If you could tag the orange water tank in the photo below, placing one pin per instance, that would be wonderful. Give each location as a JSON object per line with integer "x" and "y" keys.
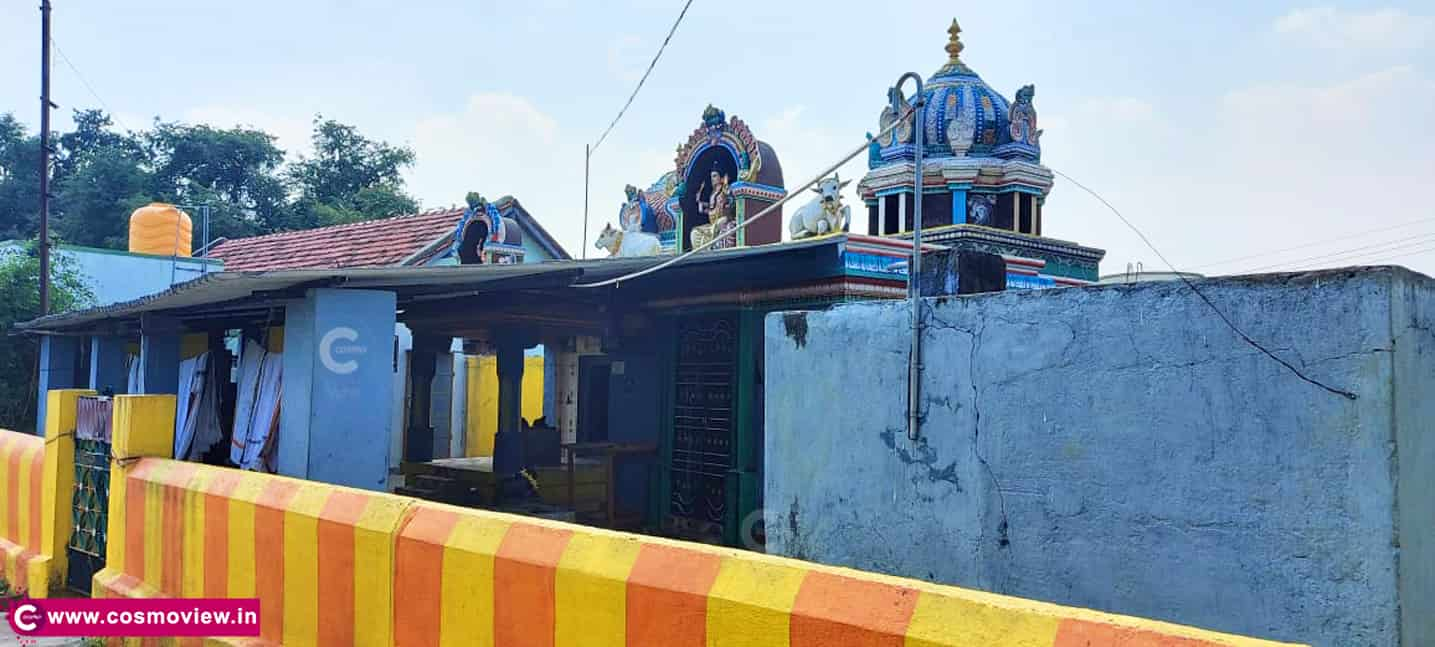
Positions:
{"x": 162, "y": 229}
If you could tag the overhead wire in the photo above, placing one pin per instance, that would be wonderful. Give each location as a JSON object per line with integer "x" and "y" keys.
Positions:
{"x": 1211, "y": 304}
{"x": 644, "y": 79}
{"x": 1373, "y": 248}
{"x": 1359, "y": 234}
{"x": 903, "y": 119}
{"x": 55, "y": 44}
{"x": 760, "y": 215}
{"x": 1425, "y": 248}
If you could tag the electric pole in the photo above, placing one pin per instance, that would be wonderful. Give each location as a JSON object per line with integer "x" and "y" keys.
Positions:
{"x": 44, "y": 157}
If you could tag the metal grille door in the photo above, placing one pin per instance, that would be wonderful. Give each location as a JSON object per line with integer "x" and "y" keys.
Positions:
{"x": 90, "y": 502}
{"x": 703, "y": 421}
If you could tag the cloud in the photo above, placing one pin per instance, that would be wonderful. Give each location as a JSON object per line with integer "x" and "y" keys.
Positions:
{"x": 499, "y": 143}
{"x": 806, "y": 147}
{"x": 1372, "y": 108}
{"x": 1333, "y": 28}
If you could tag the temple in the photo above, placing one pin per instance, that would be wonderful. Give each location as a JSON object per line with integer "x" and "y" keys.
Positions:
{"x": 983, "y": 184}
{"x": 649, "y": 411}
{"x": 722, "y": 165}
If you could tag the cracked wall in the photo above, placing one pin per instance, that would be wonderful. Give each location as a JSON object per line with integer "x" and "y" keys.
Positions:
{"x": 1119, "y": 448}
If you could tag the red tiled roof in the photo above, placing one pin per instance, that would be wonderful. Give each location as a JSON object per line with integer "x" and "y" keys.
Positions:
{"x": 371, "y": 243}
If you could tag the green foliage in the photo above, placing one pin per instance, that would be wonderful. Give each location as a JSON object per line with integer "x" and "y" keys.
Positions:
{"x": 19, "y": 179}
{"x": 350, "y": 177}
{"x": 100, "y": 175}
{"x": 20, "y": 301}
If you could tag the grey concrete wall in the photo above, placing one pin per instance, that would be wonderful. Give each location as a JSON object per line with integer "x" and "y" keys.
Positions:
{"x": 1119, "y": 448}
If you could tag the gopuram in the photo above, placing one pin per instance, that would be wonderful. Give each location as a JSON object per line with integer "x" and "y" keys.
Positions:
{"x": 983, "y": 184}
{"x": 722, "y": 176}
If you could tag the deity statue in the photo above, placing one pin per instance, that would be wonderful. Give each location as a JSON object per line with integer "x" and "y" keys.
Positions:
{"x": 479, "y": 224}
{"x": 1023, "y": 118}
{"x": 718, "y": 207}
{"x": 636, "y": 214}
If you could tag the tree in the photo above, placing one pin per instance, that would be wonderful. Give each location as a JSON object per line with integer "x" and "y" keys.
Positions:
{"x": 20, "y": 301}
{"x": 100, "y": 176}
{"x": 234, "y": 170}
{"x": 349, "y": 178}
{"x": 19, "y": 179}
{"x": 93, "y": 135}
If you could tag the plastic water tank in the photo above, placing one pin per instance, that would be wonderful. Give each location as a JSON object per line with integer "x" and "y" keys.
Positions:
{"x": 162, "y": 229}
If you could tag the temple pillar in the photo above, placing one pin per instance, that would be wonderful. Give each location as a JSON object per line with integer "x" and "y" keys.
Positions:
{"x": 1016, "y": 213}
{"x": 107, "y": 364}
{"x": 508, "y": 442}
{"x": 881, "y": 216}
{"x": 959, "y": 206}
{"x": 58, "y": 357}
{"x": 550, "y": 383}
{"x": 334, "y": 411}
{"x": 423, "y": 364}
{"x": 902, "y": 222}
{"x": 441, "y": 404}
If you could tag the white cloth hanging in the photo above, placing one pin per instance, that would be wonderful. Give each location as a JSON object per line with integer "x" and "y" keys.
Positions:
{"x": 188, "y": 395}
{"x": 196, "y": 414}
{"x": 256, "y": 409}
{"x": 132, "y": 377}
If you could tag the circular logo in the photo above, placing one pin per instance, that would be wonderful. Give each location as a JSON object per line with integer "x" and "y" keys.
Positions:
{"x": 327, "y": 350}
{"x": 25, "y": 618}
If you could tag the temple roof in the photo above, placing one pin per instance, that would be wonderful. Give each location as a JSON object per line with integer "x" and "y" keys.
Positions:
{"x": 401, "y": 240}
{"x": 964, "y": 116}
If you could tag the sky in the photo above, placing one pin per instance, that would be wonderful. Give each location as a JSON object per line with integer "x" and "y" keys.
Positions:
{"x": 1238, "y": 136}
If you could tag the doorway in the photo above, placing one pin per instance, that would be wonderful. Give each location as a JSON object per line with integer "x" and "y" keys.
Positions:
{"x": 594, "y": 377}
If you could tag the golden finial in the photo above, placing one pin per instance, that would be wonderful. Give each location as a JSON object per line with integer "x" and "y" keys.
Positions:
{"x": 954, "y": 45}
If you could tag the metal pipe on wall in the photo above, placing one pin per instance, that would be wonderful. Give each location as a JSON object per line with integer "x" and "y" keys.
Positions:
{"x": 914, "y": 268}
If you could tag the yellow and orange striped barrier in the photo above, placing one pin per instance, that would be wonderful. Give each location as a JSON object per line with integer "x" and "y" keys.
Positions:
{"x": 336, "y": 566}
{"x": 37, "y": 477}
{"x": 319, "y": 557}
{"x": 472, "y": 577}
{"x": 22, "y": 456}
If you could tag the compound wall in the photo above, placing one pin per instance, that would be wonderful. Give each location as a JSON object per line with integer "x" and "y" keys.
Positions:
{"x": 1120, "y": 448}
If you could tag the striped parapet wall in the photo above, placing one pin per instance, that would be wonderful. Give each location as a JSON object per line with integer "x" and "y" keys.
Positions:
{"x": 37, "y": 476}
{"x": 472, "y": 577}
{"x": 22, "y": 457}
{"x": 337, "y": 566}
{"x": 318, "y": 557}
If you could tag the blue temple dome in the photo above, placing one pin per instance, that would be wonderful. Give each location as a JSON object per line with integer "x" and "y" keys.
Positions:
{"x": 965, "y": 117}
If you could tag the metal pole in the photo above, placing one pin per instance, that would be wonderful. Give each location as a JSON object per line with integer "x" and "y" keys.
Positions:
{"x": 587, "y": 154}
{"x": 204, "y": 240}
{"x": 44, "y": 157}
{"x": 914, "y": 269}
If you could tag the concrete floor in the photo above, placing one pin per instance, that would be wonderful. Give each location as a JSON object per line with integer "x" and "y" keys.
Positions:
{"x": 8, "y": 637}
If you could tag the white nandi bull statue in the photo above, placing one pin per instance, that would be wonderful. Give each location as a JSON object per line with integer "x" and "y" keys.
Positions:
{"x": 631, "y": 242}
{"x": 824, "y": 215}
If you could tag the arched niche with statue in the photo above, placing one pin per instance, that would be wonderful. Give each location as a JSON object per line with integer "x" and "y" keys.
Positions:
{"x": 722, "y": 156}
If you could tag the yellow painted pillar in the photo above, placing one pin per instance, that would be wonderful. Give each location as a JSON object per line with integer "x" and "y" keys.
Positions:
{"x": 482, "y": 405}
{"x": 141, "y": 426}
{"x": 533, "y": 388}
{"x": 48, "y": 573}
